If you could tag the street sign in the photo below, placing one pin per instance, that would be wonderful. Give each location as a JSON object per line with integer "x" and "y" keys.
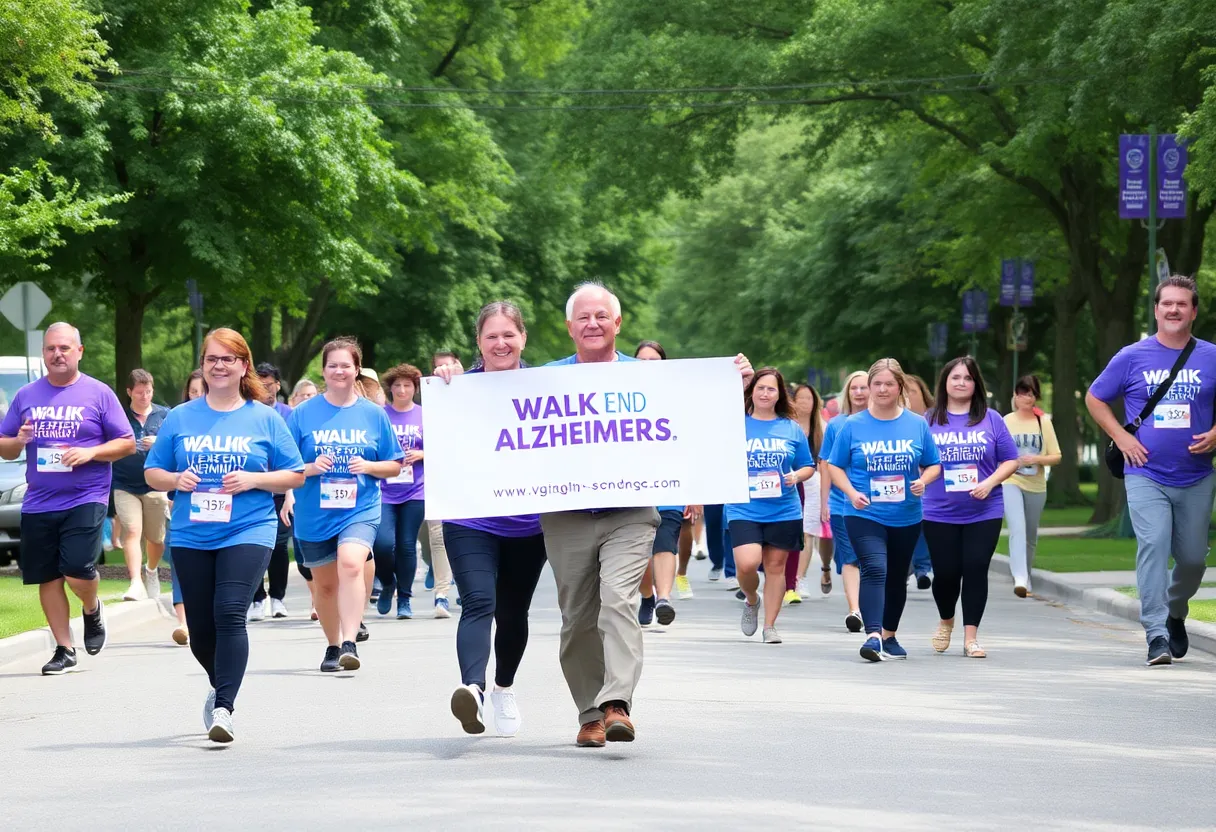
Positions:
{"x": 1018, "y": 335}
{"x": 25, "y": 305}
{"x": 1171, "y": 177}
{"x": 1133, "y": 177}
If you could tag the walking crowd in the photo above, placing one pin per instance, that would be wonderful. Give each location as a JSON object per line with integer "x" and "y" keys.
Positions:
{"x": 890, "y": 481}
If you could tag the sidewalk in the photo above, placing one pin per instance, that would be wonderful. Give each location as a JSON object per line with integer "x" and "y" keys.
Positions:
{"x": 1097, "y": 591}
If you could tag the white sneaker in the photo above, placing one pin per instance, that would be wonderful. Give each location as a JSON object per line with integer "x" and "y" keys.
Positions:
{"x": 468, "y": 704}
{"x": 750, "y": 619}
{"x": 136, "y": 591}
{"x": 506, "y": 713}
{"x": 208, "y": 710}
{"x": 256, "y": 612}
{"x": 151, "y": 583}
{"x": 277, "y": 608}
{"x": 732, "y": 584}
{"x": 221, "y": 726}
{"x": 803, "y": 588}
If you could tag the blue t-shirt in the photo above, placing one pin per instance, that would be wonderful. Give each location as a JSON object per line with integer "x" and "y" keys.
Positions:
{"x": 882, "y": 457}
{"x": 573, "y": 359}
{"x": 836, "y": 498}
{"x": 775, "y": 447}
{"x": 341, "y": 433}
{"x": 214, "y": 443}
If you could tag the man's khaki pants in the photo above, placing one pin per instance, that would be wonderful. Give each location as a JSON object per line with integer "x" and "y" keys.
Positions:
{"x": 598, "y": 558}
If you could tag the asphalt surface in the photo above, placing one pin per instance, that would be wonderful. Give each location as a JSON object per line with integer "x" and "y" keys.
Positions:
{"x": 1062, "y": 727}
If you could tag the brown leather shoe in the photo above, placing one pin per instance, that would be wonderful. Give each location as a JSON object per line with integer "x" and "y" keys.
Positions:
{"x": 618, "y": 728}
{"x": 591, "y": 735}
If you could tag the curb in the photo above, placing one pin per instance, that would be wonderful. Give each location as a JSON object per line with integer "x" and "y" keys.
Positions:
{"x": 120, "y": 615}
{"x": 1055, "y": 586}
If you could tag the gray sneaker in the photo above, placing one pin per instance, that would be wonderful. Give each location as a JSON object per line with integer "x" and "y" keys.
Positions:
{"x": 152, "y": 583}
{"x": 771, "y": 636}
{"x": 751, "y": 617}
{"x": 221, "y": 726}
{"x": 208, "y": 707}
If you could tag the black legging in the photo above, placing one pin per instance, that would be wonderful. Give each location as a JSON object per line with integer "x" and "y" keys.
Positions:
{"x": 280, "y": 561}
{"x": 217, "y": 588}
{"x": 961, "y": 553}
{"x": 497, "y": 576}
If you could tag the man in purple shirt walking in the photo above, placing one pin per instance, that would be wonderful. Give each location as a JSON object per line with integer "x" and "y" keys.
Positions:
{"x": 1168, "y": 461}
{"x": 71, "y": 428}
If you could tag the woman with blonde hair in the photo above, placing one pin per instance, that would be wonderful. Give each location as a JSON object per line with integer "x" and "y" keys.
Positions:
{"x": 883, "y": 460}
{"x": 854, "y": 397}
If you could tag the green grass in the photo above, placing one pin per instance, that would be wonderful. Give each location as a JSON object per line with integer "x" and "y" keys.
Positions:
{"x": 20, "y": 610}
{"x": 1199, "y": 610}
{"x": 1073, "y": 515}
{"x": 1132, "y": 592}
{"x": 1084, "y": 554}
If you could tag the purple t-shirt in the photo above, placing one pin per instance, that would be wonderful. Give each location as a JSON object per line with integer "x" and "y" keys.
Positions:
{"x": 84, "y": 414}
{"x": 970, "y": 454}
{"x": 1186, "y": 410}
{"x": 282, "y": 409}
{"x": 521, "y": 525}
{"x": 408, "y": 428}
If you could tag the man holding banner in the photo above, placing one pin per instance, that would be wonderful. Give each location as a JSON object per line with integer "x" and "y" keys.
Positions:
{"x": 592, "y": 450}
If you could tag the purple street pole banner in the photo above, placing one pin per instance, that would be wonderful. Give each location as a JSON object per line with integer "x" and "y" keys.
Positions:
{"x": 968, "y": 311}
{"x": 1133, "y": 177}
{"x": 617, "y": 434}
{"x": 1026, "y": 297}
{"x": 1171, "y": 177}
{"x": 938, "y": 335}
{"x": 1009, "y": 272}
{"x": 980, "y": 304}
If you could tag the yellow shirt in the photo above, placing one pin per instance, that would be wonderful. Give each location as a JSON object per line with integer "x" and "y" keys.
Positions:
{"x": 1033, "y": 437}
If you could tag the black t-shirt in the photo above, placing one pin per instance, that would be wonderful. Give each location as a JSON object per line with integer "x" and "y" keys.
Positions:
{"x": 129, "y": 471}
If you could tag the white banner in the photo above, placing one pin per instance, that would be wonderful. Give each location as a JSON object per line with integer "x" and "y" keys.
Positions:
{"x": 611, "y": 435}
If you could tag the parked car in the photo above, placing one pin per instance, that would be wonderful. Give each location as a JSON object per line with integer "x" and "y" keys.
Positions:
{"x": 15, "y": 372}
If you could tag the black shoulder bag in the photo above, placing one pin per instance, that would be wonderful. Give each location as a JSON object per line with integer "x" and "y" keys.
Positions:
{"x": 1114, "y": 457}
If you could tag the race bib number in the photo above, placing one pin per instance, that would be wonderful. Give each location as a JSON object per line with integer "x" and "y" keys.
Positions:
{"x": 339, "y": 492}
{"x": 210, "y": 507}
{"x": 962, "y": 478}
{"x": 406, "y": 477}
{"x": 887, "y": 489}
{"x": 50, "y": 458}
{"x": 1172, "y": 415}
{"x": 1028, "y": 470}
{"x": 764, "y": 486}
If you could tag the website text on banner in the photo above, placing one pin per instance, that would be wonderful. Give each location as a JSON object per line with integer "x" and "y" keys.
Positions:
{"x": 612, "y": 435}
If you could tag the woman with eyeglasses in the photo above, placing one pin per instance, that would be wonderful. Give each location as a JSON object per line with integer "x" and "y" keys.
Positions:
{"x": 224, "y": 455}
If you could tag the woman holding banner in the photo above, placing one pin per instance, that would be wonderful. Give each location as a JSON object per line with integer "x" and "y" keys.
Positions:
{"x": 496, "y": 562}
{"x": 769, "y": 527}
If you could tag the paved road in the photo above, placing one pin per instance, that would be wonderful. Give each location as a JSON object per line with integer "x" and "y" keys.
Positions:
{"x": 1062, "y": 728}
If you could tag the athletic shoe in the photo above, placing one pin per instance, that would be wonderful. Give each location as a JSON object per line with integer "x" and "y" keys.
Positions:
{"x": 892, "y": 649}
{"x": 181, "y": 635}
{"x": 377, "y": 587}
{"x": 853, "y": 622}
{"x": 221, "y": 726}
{"x": 699, "y": 554}
{"x": 362, "y": 635}
{"x": 617, "y": 725}
{"x": 312, "y": 615}
{"x": 792, "y": 597}
{"x": 209, "y": 710}
{"x": 871, "y": 651}
{"x": 1020, "y": 591}
{"x": 740, "y": 595}
{"x": 771, "y": 636}
{"x": 468, "y": 705}
{"x": 751, "y": 617}
{"x": 404, "y": 610}
{"x": 330, "y": 664}
{"x": 384, "y": 604}
{"x": 715, "y": 573}
{"x": 257, "y": 611}
{"x": 277, "y": 608}
{"x": 923, "y": 582}
{"x": 64, "y": 661}
{"x": 151, "y": 583}
{"x": 683, "y": 589}
{"x": 506, "y": 712}
{"x": 136, "y": 591}
{"x": 732, "y": 583}
{"x": 1179, "y": 642}
{"x": 802, "y": 588}
{"x": 664, "y": 611}
{"x": 646, "y": 611}
{"x": 429, "y": 583}
{"x": 95, "y": 636}
{"x": 1159, "y": 651}
{"x": 442, "y": 610}
{"x": 349, "y": 658}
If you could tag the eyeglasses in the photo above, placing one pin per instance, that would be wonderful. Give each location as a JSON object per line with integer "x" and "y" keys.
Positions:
{"x": 226, "y": 360}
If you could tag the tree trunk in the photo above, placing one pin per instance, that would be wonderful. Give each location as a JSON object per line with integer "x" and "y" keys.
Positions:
{"x": 306, "y": 337}
{"x": 1064, "y": 486}
{"x": 261, "y": 335}
{"x": 128, "y": 339}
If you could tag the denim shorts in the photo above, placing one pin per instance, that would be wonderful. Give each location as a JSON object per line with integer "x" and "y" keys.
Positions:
{"x": 324, "y": 552}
